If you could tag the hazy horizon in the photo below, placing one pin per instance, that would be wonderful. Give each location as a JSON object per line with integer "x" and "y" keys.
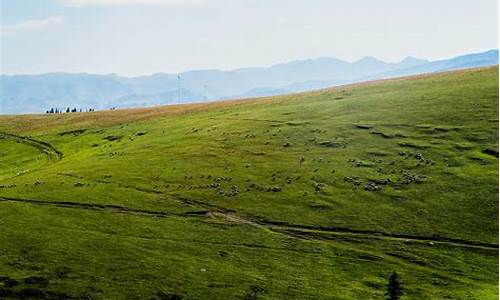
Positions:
{"x": 142, "y": 37}
{"x": 238, "y": 68}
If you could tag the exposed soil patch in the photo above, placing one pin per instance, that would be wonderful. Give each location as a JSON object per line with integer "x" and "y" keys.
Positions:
{"x": 364, "y": 126}
{"x": 491, "y": 152}
{"x": 75, "y": 132}
{"x": 332, "y": 144}
{"x": 113, "y": 138}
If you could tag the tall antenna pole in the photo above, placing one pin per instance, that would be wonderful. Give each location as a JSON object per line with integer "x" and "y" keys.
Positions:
{"x": 179, "y": 87}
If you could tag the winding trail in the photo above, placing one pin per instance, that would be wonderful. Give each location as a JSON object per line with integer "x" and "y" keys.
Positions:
{"x": 293, "y": 230}
{"x": 51, "y": 152}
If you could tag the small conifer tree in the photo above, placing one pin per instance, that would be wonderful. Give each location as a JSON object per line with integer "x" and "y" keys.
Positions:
{"x": 394, "y": 288}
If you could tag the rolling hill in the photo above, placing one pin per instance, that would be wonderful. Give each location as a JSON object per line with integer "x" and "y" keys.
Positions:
{"x": 317, "y": 195}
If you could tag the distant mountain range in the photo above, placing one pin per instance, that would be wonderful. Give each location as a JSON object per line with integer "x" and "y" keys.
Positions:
{"x": 37, "y": 93}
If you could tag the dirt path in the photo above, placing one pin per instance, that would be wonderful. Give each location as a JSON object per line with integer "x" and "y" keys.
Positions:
{"x": 297, "y": 231}
{"x": 90, "y": 206}
{"x": 249, "y": 119}
{"x": 345, "y": 234}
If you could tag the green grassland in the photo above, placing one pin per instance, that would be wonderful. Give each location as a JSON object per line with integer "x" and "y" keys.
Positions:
{"x": 317, "y": 195}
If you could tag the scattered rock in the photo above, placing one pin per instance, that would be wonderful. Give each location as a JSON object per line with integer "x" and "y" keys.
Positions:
{"x": 319, "y": 186}
{"x": 354, "y": 181}
{"x": 372, "y": 187}
{"x": 7, "y": 186}
{"x": 409, "y": 178}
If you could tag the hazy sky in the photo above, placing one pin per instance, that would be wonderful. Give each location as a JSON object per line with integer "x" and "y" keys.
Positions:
{"x": 134, "y": 37}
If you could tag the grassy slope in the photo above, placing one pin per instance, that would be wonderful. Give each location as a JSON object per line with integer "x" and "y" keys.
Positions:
{"x": 419, "y": 141}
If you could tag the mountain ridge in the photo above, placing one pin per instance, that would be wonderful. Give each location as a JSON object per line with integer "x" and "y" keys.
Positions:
{"x": 37, "y": 93}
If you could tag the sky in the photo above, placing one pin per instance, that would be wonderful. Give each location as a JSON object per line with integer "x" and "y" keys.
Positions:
{"x": 140, "y": 37}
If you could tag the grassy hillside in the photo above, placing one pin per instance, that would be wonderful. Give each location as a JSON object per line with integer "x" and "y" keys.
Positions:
{"x": 318, "y": 195}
